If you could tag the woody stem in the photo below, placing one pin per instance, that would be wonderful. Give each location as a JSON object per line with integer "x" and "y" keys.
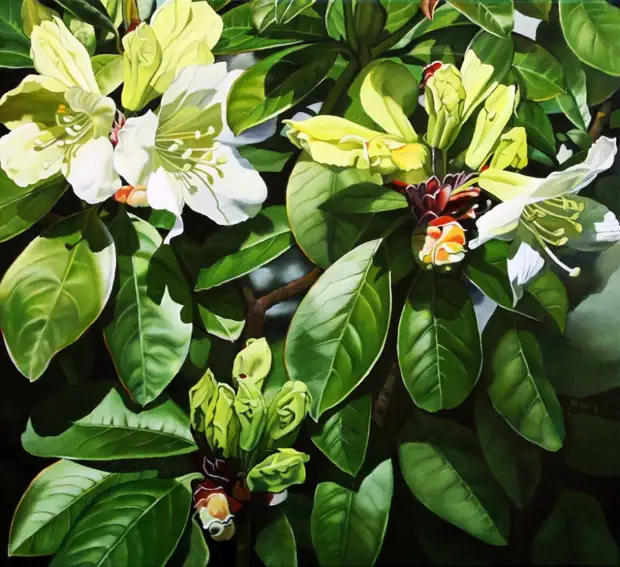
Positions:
{"x": 600, "y": 121}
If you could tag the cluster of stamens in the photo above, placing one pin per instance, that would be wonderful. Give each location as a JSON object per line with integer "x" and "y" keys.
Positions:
{"x": 565, "y": 210}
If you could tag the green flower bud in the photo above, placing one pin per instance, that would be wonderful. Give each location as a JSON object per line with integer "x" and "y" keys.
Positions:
{"x": 444, "y": 97}
{"x": 224, "y": 428}
{"x": 278, "y": 471}
{"x": 286, "y": 413}
{"x": 512, "y": 150}
{"x": 252, "y": 413}
{"x": 83, "y": 32}
{"x": 200, "y": 395}
{"x": 253, "y": 362}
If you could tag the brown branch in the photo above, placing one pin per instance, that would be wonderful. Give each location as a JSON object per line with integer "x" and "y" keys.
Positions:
{"x": 602, "y": 116}
{"x": 258, "y": 307}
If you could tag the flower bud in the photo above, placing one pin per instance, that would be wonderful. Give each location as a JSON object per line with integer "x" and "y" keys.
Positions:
{"x": 286, "y": 413}
{"x": 278, "y": 471}
{"x": 442, "y": 244}
{"x": 252, "y": 413}
{"x": 200, "y": 395}
{"x": 215, "y": 516}
{"x": 253, "y": 362}
{"x": 223, "y": 430}
{"x": 512, "y": 150}
{"x": 133, "y": 196}
{"x": 444, "y": 96}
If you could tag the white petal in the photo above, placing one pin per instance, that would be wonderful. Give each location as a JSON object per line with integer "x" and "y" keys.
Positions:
{"x": 165, "y": 192}
{"x": 572, "y": 180}
{"x": 134, "y": 155}
{"x": 91, "y": 171}
{"x": 564, "y": 154}
{"x": 498, "y": 222}
{"x": 483, "y": 308}
{"x": 525, "y": 25}
{"x": 232, "y": 199}
{"x": 523, "y": 267}
{"x": 253, "y": 135}
{"x": 241, "y": 61}
{"x": 608, "y": 230}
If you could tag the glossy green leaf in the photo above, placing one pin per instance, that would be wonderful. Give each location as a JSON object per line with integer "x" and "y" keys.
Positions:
{"x": 236, "y": 251}
{"x": 53, "y": 502}
{"x": 494, "y": 16}
{"x": 275, "y": 542}
{"x": 240, "y": 35}
{"x": 591, "y": 30}
{"x": 518, "y": 388}
{"x": 21, "y": 207}
{"x": 14, "y": 45}
{"x": 268, "y": 12}
{"x": 93, "y": 423}
{"x": 151, "y": 331}
{"x": 540, "y": 73}
{"x": 222, "y": 312}
{"x": 438, "y": 342}
{"x": 118, "y": 528}
{"x": 514, "y": 462}
{"x": 277, "y": 375}
{"x": 323, "y": 236}
{"x": 365, "y": 198}
{"x": 550, "y": 293}
{"x": 340, "y": 328}
{"x": 348, "y": 527}
{"x": 575, "y": 533}
{"x": 55, "y": 290}
{"x": 343, "y": 437}
{"x": 592, "y": 445}
{"x": 600, "y": 85}
{"x": 90, "y": 11}
{"x": 444, "y": 468}
{"x": 399, "y": 13}
{"x": 108, "y": 69}
{"x": 276, "y": 83}
{"x": 192, "y": 550}
{"x": 400, "y": 254}
{"x": 539, "y": 9}
{"x": 538, "y": 127}
{"x": 269, "y": 161}
{"x": 298, "y": 509}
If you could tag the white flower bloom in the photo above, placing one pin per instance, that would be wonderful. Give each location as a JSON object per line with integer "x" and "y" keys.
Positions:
{"x": 186, "y": 154}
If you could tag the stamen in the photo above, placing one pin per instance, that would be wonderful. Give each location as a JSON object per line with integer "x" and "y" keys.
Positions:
{"x": 186, "y": 154}
{"x": 197, "y": 134}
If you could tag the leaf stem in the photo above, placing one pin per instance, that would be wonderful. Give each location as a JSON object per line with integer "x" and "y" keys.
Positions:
{"x": 602, "y": 116}
{"x": 333, "y": 100}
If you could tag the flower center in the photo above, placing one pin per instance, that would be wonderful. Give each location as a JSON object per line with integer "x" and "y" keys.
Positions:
{"x": 555, "y": 219}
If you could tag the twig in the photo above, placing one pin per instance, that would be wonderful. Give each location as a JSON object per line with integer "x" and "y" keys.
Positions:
{"x": 602, "y": 116}
{"x": 385, "y": 396}
{"x": 258, "y": 307}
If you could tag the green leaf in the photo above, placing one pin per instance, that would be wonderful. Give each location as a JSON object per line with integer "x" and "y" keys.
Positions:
{"x": 277, "y": 375}
{"x": 119, "y": 527}
{"x": 276, "y": 83}
{"x": 439, "y": 350}
{"x": 538, "y": 127}
{"x": 369, "y": 20}
{"x": 55, "y": 290}
{"x": 21, "y": 207}
{"x": 575, "y": 533}
{"x": 487, "y": 269}
{"x": 14, "y": 45}
{"x": 514, "y": 463}
{"x": 518, "y": 388}
{"x": 278, "y": 471}
{"x": 275, "y": 543}
{"x": 269, "y": 161}
{"x": 340, "y": 328}
{"x": 54, "y": 500}
{"x": 600, "y": 85}
{"x": 540, "y": 73}
{"x": 539, "y": 9}
{"x": 343, "y": 437}
{"x": 348, "y": 527}
{"x": 550, "y": 293}
{"x": 108, "y": 71}
{"x": 447, "y": 46}
{"x": 444, "y": 469}
{"x": 495, "y": 16}
{"x": 268, "y": 12}
{"x": 240, "y": 35}
{"x": 94, "y": 424}
{"x": 591, "y": 30}
{"x": 222, "y": 312}
{"x": 365, "y": 198}
{"x": 399, "y": 13}
{"x": 400, "y": 254}
{"x": 592, "y": 445}
{"x": 323, "y": 237}
{"x": 151, "y": 331}
{"x": 298, "y": 509}
{"x": 192, "y": 550}
{"x": 236, "y": 251}
{"x": 92, "y": 12}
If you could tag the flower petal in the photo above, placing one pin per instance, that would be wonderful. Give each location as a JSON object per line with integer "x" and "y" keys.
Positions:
{"x": 90, "y": 171}
{"x": 525, "y": 261}
{"x": 165, "y": 192}
{"x": 499, "y": 222}
{"x": 134, "y": 156}
{"x": 231, "y": 199}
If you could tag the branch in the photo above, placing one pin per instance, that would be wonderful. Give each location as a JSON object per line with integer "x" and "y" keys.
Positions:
{"x": 258, "y": 307}
{"x": 602, "y": 116}
{"x": 385, "y": 395}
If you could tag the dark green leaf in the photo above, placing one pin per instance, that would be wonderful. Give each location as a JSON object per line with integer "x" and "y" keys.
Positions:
{"x": 277, "y": 375}
{"x": 514, "y": 463}
{"x": 540, "y": 73}
{"x": 400, "y": 254}
{"x": 538, "y": 126}
{"x": 119, "y": 527}
{"x": 268, "y": 12}
{"x": 236, "y": 251}
{"x": 192, "y": 550}
{"x": 14, "y": 45}
{"x": 438, "y": 342}
{"x": 275, "y": 542}
{"x": 222, "y": 312}
{"x": 443, "y": 467}
{"x": 21, "y": 207}
{"x": 550, "y": 293}
{"x": 343, "y": 437}
{"x": 591, "y": 31}
{"x": 495, "y": 16}
{"x": 53, "y": 502}
{"x": 90, "y": 11}
{"x": 55, "y": 290}
{"x": 276, "y": 83}
{"x": 348, "y": 527}
{"x": 340, "y": 328}
{"x": 575, "y": 533}
{"x": 534, "y": 8}
{"x": 399, "y": 13}
{"x": 265, "y": 160}
{"x": 518, "y": 388}
{"x": 365, "y": 198}
{"x": 600, "y": 85}
{"x": 150, "y": 333}
{"x": 298, "y": 509}
{"x": 93, "y": 423}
